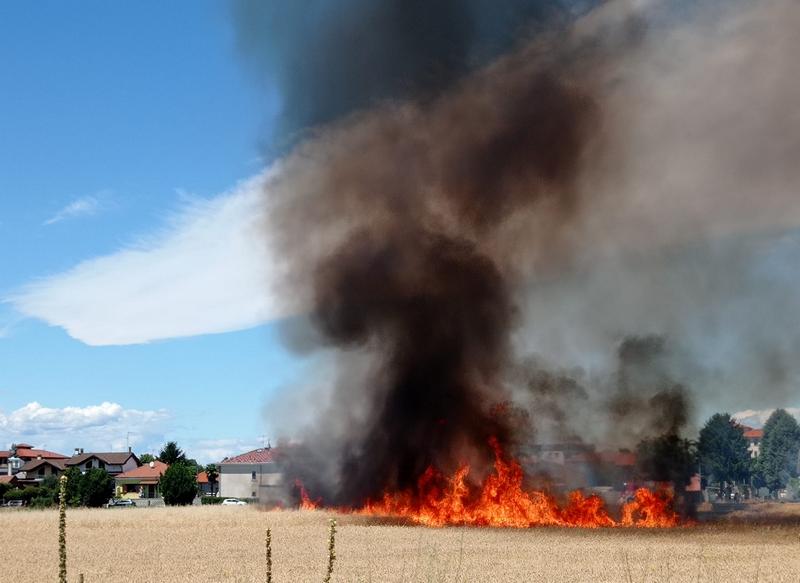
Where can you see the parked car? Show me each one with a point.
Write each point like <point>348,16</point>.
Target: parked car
<point>15,503</point>
<point>120,502</point>
<point>233,502</point>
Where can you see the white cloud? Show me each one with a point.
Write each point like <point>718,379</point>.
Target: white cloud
<point>208,271</point>
<point>757,417</point>
<point>207,451</point>
<point>103,427</point>
<point>83,206</point>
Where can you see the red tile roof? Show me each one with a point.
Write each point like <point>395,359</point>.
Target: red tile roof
<point>26,452</point>
<point>146,473</point>
<point>111,458</point>
<point>754,433</point>
<point>202,478</point>
<point>31,465</point>
<point>7,479</point>
<point>257,456</point>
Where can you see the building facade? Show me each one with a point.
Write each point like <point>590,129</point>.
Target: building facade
<point>254,475</point>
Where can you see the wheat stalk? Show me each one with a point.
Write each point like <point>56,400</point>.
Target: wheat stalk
<point>331,551</point>
<point>269,556</point>
<point>62,530</point>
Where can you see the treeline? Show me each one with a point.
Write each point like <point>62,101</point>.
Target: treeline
<point>92,488</point>
<point>722,457</point>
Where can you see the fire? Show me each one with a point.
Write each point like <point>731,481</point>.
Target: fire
<point>501,501</point>
<point>306,503</point>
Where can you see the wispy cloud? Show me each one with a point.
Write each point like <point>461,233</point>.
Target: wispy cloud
<point>103,427</point>
<point>757,417</point>
<point>80,207</point>
<point>207,271</point>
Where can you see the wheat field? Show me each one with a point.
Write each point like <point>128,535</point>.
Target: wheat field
<point>216,543</point>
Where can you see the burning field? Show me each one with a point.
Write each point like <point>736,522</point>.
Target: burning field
<point>227,544</point>
<point>497,237</point>
<point>505,227</point>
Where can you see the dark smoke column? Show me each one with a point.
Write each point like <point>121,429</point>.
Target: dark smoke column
<point>404,227</point>
<point>439,314</point>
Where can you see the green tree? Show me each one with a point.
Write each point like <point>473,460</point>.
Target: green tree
<point>777,460</point>
<point>179,484</point>
<point>667,458</point>
<point>146,458</point>
<point>171,454</point>
<point>723,450</point>
<point>213,474</point>
<point>74,486</point>
<point>96,488</point>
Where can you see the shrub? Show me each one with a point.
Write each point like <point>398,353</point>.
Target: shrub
<point>211,500</point>
<point>179,484</point>
<point>96,488</point>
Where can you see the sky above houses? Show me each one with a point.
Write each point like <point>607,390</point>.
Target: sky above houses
<point>135,304</point>
<point>125,131</point>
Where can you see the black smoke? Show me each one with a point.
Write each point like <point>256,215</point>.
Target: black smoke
<point>329,58</point>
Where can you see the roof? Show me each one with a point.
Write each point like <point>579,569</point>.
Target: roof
<point>112,458</point>
<point>7,479</point>
<point>262,455</point>
<point>754,433</point>
<point>31,465</point>
<point>202,478</point>
<point>24,451</point>
<point>145,474</point>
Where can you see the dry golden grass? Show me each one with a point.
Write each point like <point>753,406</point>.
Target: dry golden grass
<point>227,544</point>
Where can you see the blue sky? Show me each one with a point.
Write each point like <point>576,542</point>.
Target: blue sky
<point>134,281</point>
<point>116,120</point>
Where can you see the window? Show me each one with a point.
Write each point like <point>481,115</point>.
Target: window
<point>254,494</point>
<point>101,464</point>
<point>41,471</point>
<point>89,465</point>
<point>253,476</point>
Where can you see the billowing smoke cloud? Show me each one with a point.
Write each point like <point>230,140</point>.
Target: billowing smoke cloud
<point>581,198</point>
<point>329,58</point>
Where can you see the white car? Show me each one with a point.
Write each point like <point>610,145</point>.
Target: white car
<point>233,502</point>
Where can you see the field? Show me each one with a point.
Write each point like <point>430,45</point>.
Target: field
<point>227,544</point>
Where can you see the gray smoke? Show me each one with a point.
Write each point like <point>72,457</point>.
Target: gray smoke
<point>615,197</point>
<point>329,58</point>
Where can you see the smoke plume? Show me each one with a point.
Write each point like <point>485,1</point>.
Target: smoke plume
<point>580,198</point>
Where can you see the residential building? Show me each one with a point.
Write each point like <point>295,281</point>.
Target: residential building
<point>34,472</point>
<point>204,487</point>
<point>141,482</point>
<point>753,437</point>
<point>24,452</point>
<point>112,462</point>
<point>256,475</point>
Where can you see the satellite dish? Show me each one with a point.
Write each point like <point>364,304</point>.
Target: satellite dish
<point>152,464</point>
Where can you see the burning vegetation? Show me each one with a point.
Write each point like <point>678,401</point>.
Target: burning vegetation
<point>453,175</point>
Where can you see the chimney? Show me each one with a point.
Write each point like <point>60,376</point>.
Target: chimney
<point>129,449</point>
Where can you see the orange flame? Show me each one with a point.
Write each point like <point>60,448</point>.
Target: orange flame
<point>306,503</point>
<point>501,501</point>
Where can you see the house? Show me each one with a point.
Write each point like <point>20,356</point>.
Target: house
<point>204,486</point>
<point>22,453</point>
<point>141,482</point>
<point>10,480</point>
<point>753,437</point>
<point>256,474</point>
<point>112,462</point>
<point>34,472</point>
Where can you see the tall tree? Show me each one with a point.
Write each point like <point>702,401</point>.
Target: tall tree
<point>171,454</point>
<point>146,458</point>
<point>778,458</point>
<point>179,484</point>
<point>96,488</point>
<point>667,458</point>
<point>723,449</point>
<point>213,474</point>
